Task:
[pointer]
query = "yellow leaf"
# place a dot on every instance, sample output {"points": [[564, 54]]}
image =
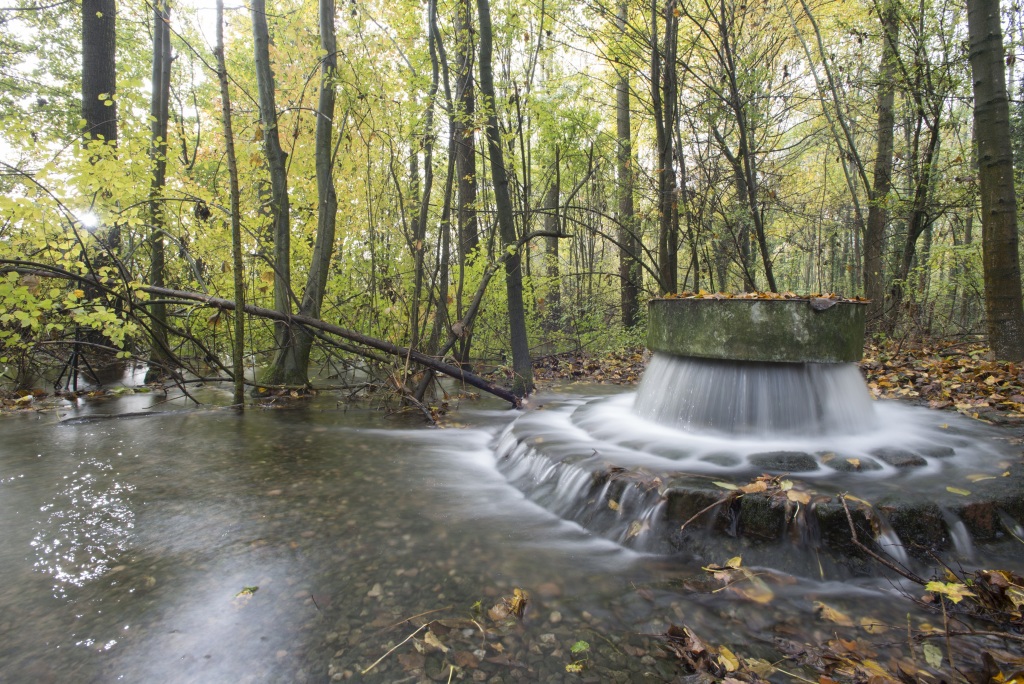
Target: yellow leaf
{"points": [[734, 562], [786, 485], [978, 477], [798, 497], [728, 659], [754, 487], [726, 485], [957, 490], [612, 504], [954, 591], [872, 626], [430, 639], [833, 615], [855, 462]]}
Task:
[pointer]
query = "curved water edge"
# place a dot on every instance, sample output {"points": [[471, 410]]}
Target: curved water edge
{"points": [[922, 482]]}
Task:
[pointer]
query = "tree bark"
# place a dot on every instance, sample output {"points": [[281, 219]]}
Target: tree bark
{"points": [[664, 102], [1000, 243], [629, 241], [281, 370], [238, 275], [874, 234], [522, 367], [463, 127], [99, 74], [158, 112]]}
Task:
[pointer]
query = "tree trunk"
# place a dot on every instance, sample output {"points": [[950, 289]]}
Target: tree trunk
{"points": [[463, 127], [629, 241], [158, 112], [1003, 301], [99, 75], [522, 367], [874, 234], [552, 227], [664, 102], [238, 348], [282, 369]]}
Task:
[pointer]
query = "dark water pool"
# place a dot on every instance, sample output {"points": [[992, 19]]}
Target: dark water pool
{"points": [[301, 545]]}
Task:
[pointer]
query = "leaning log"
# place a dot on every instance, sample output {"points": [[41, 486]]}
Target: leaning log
{"points": [[365, 340]]}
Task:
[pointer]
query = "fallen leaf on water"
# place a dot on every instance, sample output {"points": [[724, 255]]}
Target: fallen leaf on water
{"points": [[726, 485], [978, 477], [728, 659], [957, 490], [832, 615], [933, 655], [798, 497], [872, 626], [430, 639], [612, 504], [754, 487]]}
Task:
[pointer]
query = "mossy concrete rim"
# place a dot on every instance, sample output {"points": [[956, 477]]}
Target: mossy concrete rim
{"points": [[759, 330]]}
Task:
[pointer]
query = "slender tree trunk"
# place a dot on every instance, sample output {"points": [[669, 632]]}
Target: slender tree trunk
{"points": [[874, 234], [629, 241], [463, 127], [1000, 242], [552, 225], [522, 367], [278, 372], [238, 348], [664, 102], [158, 112], [327, 199], [423, 208]]}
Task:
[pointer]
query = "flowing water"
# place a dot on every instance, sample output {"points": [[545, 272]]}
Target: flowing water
{"points": [[294, 545]]}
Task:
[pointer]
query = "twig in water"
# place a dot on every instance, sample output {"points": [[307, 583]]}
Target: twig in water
{"points": [[413, 617], [703, 511], [898, 569], [395, 648]]}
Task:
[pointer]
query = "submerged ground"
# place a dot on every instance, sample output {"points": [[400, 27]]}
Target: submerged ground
{"points": [[322, 543]]}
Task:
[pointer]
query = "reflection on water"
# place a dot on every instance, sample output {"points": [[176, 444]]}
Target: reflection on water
{"points": [[127, 545], [86, 526]]}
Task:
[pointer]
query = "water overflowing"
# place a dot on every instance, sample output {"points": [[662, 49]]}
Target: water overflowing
{"points": [[754, 399], [640, 467]]}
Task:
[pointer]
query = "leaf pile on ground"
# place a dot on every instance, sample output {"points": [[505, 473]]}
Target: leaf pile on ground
{"points": [[623, 367], [704, 294], [978, 639], [947, 375]]}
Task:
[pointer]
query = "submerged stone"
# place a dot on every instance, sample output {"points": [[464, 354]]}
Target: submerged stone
{"points": [[784, 461], [900, 458]]}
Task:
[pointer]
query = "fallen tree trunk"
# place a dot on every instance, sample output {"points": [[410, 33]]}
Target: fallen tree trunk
{"points": [[372, 342]]}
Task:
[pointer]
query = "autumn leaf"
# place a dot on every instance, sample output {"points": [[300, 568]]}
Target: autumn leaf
{"points": [[728, 659], [954, 591], [832, 615]]}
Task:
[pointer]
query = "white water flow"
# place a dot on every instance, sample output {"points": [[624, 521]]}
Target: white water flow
{"points": [[633, 466], [756, 399]]}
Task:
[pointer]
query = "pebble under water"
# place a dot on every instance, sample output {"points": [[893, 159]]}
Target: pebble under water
{"points": [[302, 545]]}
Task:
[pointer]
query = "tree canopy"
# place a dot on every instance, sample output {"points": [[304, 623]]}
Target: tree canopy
{"points": [[391, 158]]}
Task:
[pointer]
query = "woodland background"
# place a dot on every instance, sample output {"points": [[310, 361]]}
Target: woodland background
{"points": [[487, 184]]}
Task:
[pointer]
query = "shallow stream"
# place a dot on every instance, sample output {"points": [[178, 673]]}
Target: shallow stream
{"points": [[300, 545]]}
